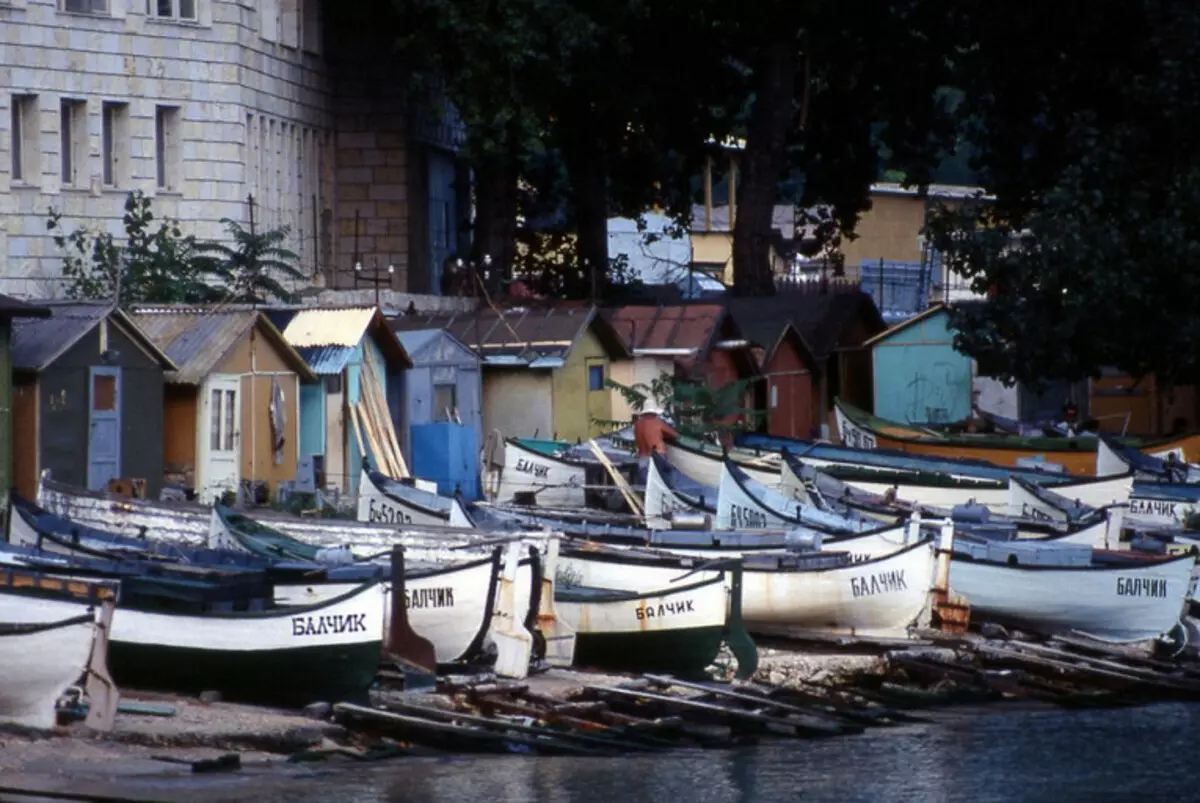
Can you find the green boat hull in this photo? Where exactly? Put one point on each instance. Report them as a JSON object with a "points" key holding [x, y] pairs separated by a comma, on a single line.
{"points": [[291, 677], [686, 652]]}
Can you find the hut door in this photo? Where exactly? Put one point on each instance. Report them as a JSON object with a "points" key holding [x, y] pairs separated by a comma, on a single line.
{"points": [[104, 427], [220, 435]]}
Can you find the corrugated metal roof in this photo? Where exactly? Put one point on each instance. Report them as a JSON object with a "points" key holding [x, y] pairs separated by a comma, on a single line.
{"points": [[329, 327], [37, 342], [821, 318], [326, 360], [519, 335], [197, 340], [15, 308], [686, 326]]}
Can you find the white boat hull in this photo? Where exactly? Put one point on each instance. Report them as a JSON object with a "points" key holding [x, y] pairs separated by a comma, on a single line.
{"points": [[881, 597], [554, 483], [38, 666], [697, 606], [1117, 604]]}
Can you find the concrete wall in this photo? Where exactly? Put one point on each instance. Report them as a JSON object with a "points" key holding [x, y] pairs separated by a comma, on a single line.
{"points": [[6, 411], [888, 231], [253, 116], [639, 370]]}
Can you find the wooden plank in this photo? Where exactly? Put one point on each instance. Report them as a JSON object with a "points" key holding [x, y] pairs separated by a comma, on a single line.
{"points": [[622, 486], [358, 437], [757, 699], [377, 448], [378, 393], [695, 705]]}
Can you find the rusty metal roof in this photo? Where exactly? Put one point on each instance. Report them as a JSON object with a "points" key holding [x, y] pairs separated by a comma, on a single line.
{"points": [[38, 342], [530, 336], [199, 340], [685, 331]]}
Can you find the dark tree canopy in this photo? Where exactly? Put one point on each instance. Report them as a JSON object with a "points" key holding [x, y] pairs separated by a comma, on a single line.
{"points": [[1086, 138]]}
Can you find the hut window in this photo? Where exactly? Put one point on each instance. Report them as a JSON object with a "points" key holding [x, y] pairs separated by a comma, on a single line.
{"points": [[445, 402], [774, 396], [214, 435], [333, 384], [595, 377], [104, 392], [229, 402]]}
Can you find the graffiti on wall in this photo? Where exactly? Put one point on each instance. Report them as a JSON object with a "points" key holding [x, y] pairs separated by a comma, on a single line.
{"points": [[936, 394]]}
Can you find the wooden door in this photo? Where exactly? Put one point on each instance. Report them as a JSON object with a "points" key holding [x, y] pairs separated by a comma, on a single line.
{"points": [[104, 426], [220, 438]]}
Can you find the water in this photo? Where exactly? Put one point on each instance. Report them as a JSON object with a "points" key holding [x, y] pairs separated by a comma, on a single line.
{"points": [[988, 756]]}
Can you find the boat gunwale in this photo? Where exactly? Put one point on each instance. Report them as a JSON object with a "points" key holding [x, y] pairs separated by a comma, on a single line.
{"points": [[619, 595], [14, 629]]}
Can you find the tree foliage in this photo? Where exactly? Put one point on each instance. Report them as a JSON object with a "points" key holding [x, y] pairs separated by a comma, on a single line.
{"points": [[162, 265], [152, 265], [610, 107], [1085, 139], [252, 265], [697, 410]]}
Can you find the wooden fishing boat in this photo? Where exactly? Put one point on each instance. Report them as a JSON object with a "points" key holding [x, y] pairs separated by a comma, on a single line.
{"points": [[1114, 457], [382, 500], [527, 476], [792, 594], [288, 655], [670, 494], [44, 648], [1116, 597], [1077, 455], [744, 503], [189, 523], [451, 605], [677, 629]]}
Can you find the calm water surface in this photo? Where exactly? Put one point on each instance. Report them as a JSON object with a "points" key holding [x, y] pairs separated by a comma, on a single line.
{"points": [[979, 756]]}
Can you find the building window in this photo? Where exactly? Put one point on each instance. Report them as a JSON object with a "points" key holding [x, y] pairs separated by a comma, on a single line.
{"points": [[86, 6], [595, 377], [310, 25], [333, 384], [114, 143], [445, 402], [166, 146], [172, 9], [24, 138], [72, 137]]}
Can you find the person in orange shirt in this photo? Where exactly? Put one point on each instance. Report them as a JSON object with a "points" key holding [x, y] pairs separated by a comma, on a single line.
{"points": [[651, 433]]}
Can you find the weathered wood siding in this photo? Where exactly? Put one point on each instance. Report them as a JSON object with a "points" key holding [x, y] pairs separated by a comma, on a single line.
{"points": [[789, 394], [179, 433], [25, 434], [6, 415], [518, 402], [918, 375], [63, 411], [257, 452], [579, 412]]}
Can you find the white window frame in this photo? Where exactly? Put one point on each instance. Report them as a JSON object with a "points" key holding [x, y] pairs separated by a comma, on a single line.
{"points": [[173, 10]]}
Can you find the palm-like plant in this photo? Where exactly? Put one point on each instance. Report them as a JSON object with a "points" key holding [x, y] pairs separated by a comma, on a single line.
{"points": [[252, 262]]}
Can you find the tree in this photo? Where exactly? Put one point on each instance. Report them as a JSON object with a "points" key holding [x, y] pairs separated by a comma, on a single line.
{"points": [[1088, 244], [159, 265], [697, 410], [251, 265]]}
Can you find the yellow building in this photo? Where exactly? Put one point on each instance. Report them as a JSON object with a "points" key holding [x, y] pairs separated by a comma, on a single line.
{"points": [[545, 366]]}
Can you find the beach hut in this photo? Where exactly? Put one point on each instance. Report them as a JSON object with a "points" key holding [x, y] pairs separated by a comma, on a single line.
{"points": [[918, 376], [87, 398], [232, 405], [358, 407], [10, 309], [444, 407], [545, 366], [789, 392]]}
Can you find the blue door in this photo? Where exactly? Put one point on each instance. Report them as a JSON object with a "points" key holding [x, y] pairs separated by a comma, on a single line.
{"points": [[104, 427], [443, 220]]}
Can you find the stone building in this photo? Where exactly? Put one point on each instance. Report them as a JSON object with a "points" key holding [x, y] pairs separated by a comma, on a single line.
{"points": [[202, 103]]}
